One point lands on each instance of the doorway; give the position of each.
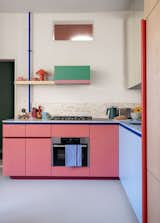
(6, 94)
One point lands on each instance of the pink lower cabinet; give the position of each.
(104, 151)
(38, 157)
(69, 131)
(13, 157)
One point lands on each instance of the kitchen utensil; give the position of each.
(125, 111)
(112, 112)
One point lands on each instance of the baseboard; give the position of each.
(61, 178)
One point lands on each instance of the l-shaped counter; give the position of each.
(114, 151)
(131, 125)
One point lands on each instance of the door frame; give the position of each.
(14, 89)
(14, 61)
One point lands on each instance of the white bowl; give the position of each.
(136, 115)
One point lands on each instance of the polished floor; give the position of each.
(63, 201)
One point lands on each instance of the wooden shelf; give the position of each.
(42, 82)
(34, 82)
(22, 82)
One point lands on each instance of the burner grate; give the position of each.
(72, 118)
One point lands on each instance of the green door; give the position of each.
(6, 94)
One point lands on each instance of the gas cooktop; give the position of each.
(72, 118)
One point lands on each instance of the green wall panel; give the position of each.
(72, 73)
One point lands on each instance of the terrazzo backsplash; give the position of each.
(81, 109)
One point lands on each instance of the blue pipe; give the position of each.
(29, 60)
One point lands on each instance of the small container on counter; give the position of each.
(34, 112)
(44, 115)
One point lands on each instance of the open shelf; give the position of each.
(42, 82)
(34, 82)
(22, 82)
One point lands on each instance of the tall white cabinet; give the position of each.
(130, 168)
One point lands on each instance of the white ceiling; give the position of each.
(67, 5)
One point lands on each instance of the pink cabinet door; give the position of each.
(14, 157)
(70, 130)
(70, 171)
(38, 130)
(12, 130)
(104, 151)
(38, 157)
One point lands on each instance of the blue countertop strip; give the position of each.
(136, 129)
(137, 132)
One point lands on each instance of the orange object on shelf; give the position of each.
(42, 74)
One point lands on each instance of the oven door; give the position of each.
(58, 156)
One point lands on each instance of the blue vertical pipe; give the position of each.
(29, 60)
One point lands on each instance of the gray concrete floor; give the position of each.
(63, 201)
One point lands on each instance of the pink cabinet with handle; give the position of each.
(38, 157)
(70, 171)
(70, 130)
(13, 157)
(13, 130)
(104, 151)
(38, 130)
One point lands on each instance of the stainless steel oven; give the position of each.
(58, 149)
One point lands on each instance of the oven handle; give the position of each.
(64, 145)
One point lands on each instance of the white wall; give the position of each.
(105, 55)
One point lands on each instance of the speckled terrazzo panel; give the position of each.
(91, 109)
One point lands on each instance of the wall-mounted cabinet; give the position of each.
(72, 74)
(133, 49)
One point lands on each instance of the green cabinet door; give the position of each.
(72, 73)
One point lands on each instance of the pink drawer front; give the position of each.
(70, 130)
(12, 130)
(70, 171)
(38, 130)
